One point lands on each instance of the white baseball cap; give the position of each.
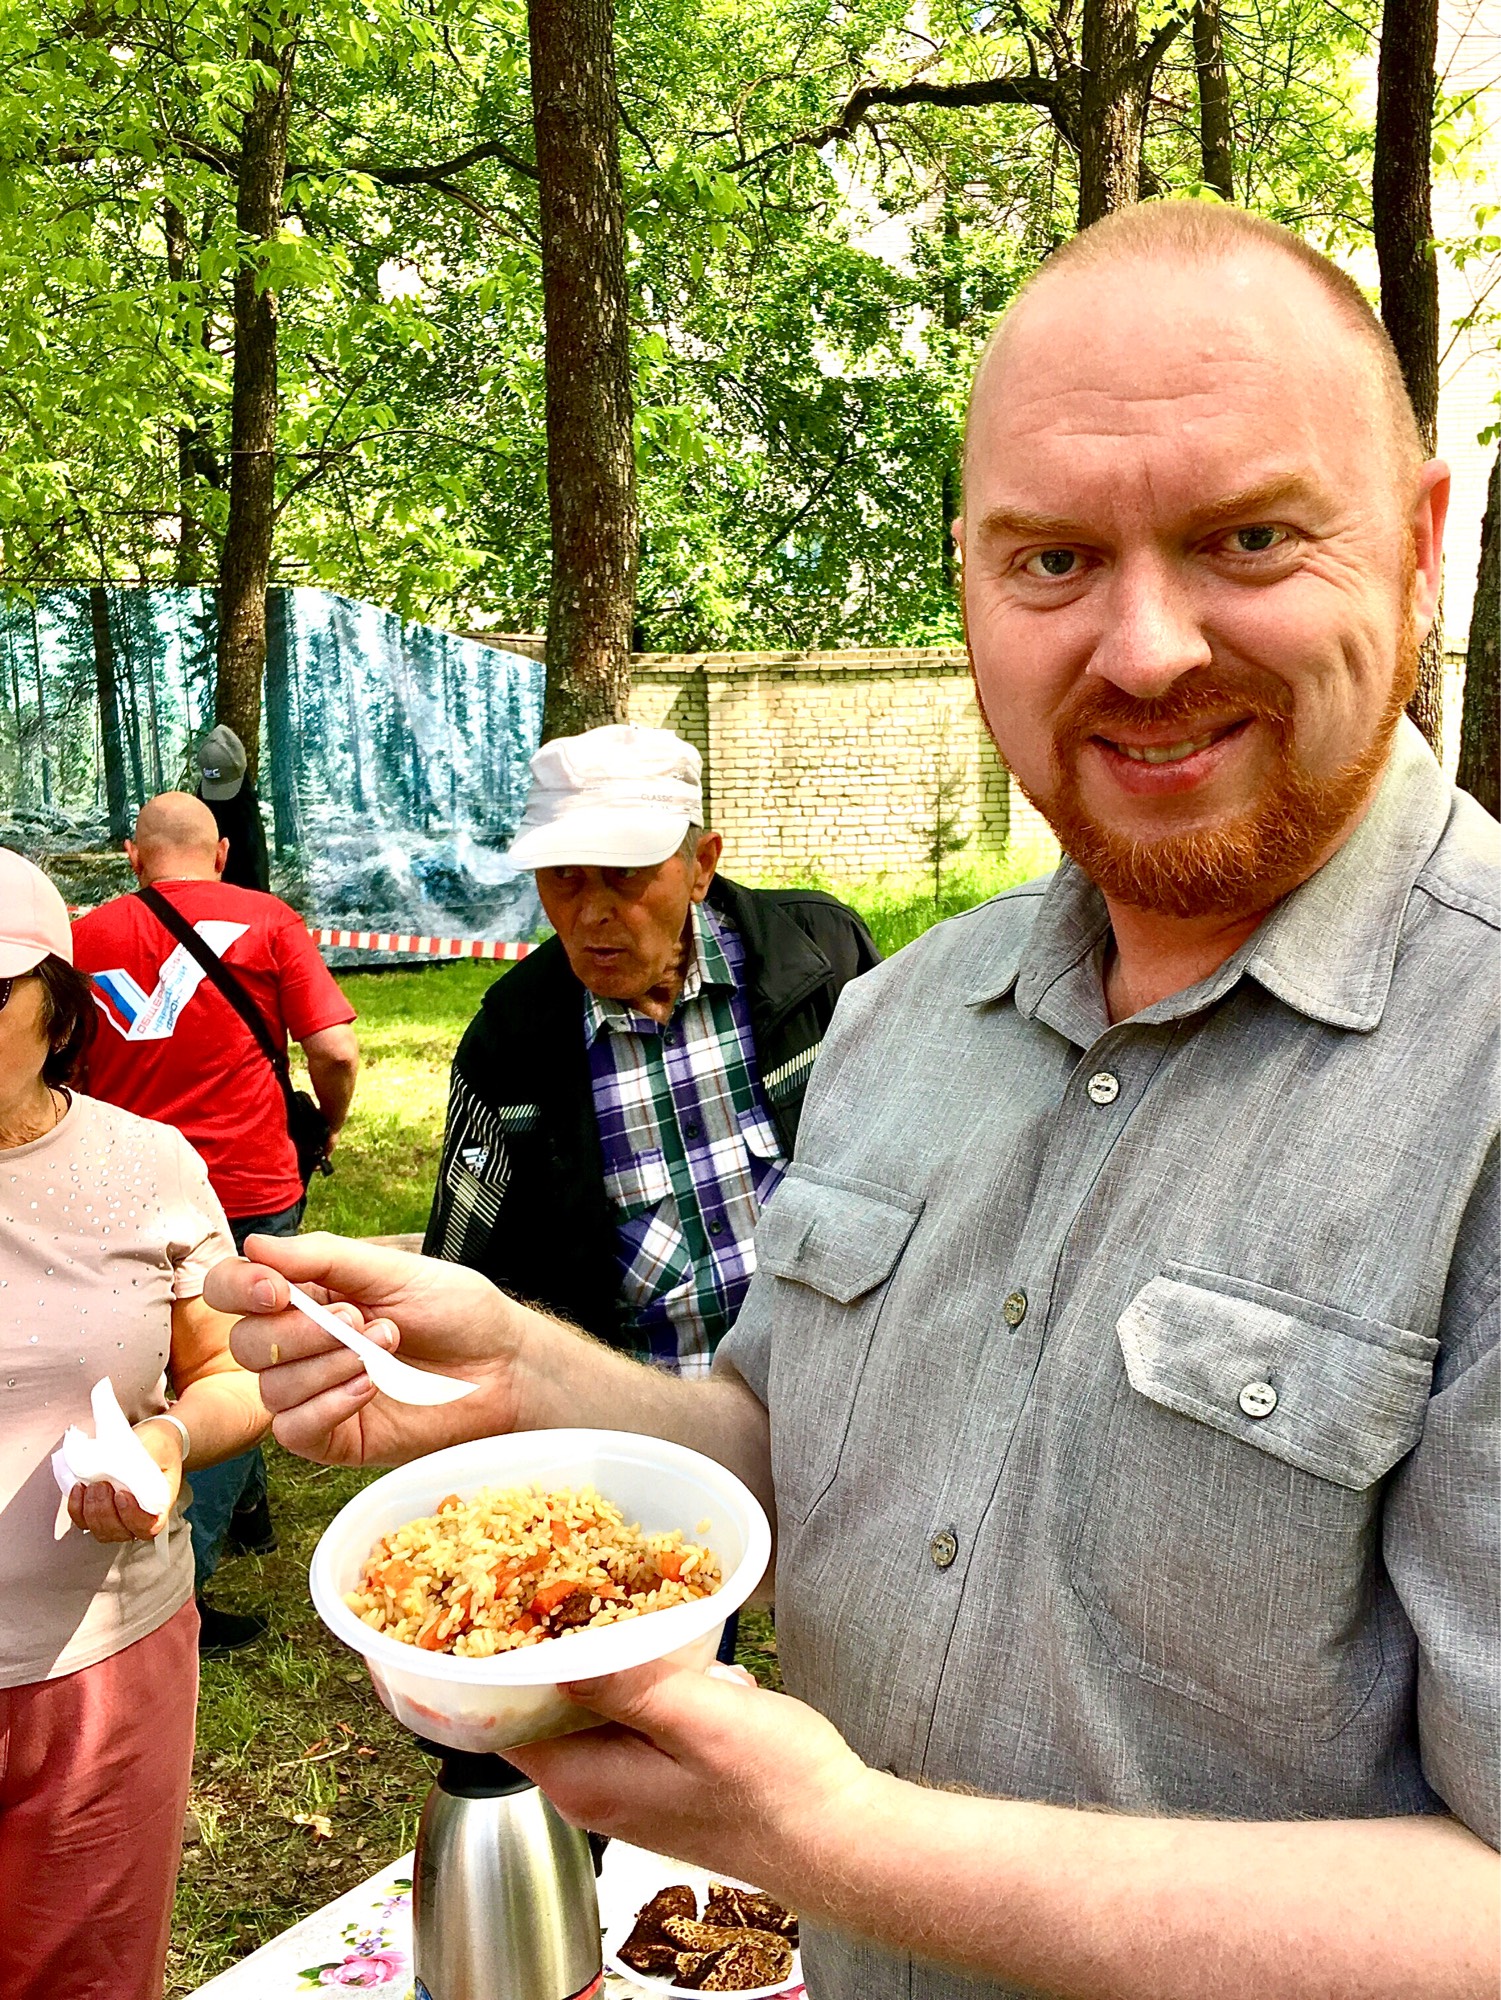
(33, 917)
(618, 797)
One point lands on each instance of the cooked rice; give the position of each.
(515, 1566)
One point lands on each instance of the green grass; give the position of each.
(288, 1727)
(899, 908)
(409, 1026)
(292, 1727)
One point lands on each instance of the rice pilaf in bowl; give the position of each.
(489, 1701)
(516, 1566)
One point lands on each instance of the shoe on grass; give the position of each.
(222, 1632)
(251, 1532)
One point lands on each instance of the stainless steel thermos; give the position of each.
(503, 1900)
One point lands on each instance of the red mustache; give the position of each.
(1101, 709)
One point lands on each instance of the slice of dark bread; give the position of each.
(651, 1956)
(729, 1905)
(759, 1960)
(648, 1949)
(676, 1900)
(693, 1967)
(764, 1948)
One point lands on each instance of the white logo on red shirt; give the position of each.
(152, 1017)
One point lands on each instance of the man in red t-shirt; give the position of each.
(171, 1047)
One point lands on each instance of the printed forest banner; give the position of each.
(393, 756)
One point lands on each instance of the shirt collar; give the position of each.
(1328, 950)
(709, 968)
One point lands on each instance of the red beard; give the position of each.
(1247, 862)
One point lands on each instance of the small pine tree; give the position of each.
(943, 831)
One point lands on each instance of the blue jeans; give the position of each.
(219, 1489)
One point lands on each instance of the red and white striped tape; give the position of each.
(420, 947)
(406, 941)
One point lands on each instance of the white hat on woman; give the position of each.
(33, 917)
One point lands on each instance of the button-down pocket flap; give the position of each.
(759, 1134)
(1332, 1394)
(642, 1183)
(842, 1241)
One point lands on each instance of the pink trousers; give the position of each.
(94, 1770)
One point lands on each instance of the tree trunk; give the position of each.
(1480, 730)
(109, 715)
(591, 465)
(188, 567)
(1216, 131)
(280, 728)
(951, 499)
(41, 710)
(1401, 213)
(1112, 111)
(245, 562)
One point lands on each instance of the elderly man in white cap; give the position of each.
(626, 1099)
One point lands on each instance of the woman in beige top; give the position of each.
(107, 1226)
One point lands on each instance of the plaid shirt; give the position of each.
(690, 1155)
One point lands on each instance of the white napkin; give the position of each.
(113, 1456)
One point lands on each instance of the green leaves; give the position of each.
(804, 318)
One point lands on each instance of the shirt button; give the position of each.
(1103, 1088)
(1014, 1310)
(716, 1227)
(1258, 1399)
(693, 1130)
(943, 1548)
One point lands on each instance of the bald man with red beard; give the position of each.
(1121, 1361)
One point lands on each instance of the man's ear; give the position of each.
(221, 855)
(133, 856)
(1428, 516)
(710, 847)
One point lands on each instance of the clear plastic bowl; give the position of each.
(514, 1698)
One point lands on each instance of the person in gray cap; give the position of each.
(627, 1098)
(225, 788)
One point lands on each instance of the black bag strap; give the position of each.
(216, 971)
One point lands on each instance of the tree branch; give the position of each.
(1052, 94)
(1043, 91)
(491, 149)
(191, 148)
(1157, 48)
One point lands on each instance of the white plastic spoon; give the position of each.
(394, 1378)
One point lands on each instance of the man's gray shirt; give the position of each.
(1133, 1389)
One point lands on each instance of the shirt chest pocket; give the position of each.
(642, 1183)
(832, 1246)
(1229, 1545)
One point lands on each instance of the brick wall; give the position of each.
(832, 760)
(836, 760)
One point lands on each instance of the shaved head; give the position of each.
(174, 829)
(1240, 256)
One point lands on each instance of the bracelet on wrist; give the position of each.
(166, 1417)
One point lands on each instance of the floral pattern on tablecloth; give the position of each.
(379, 1954)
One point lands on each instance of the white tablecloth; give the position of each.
(363, 1940)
